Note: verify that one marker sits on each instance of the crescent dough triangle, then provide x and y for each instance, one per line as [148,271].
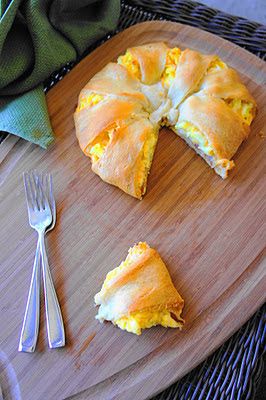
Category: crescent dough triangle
[139,293]
[122,108]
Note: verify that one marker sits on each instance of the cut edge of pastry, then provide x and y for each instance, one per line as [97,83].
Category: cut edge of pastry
[146,158]
[245,108]
[220,166]
[168,315]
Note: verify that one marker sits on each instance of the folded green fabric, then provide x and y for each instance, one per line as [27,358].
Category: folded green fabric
[38,37]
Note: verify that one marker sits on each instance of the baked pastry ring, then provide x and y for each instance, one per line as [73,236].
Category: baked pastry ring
[122,108]
[139,293]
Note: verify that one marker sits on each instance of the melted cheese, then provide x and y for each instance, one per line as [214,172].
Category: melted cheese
[196,136]
[244,109]
[130,63]
[172,59]
[90,101]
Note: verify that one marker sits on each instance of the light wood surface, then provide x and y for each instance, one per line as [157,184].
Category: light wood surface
[209,232]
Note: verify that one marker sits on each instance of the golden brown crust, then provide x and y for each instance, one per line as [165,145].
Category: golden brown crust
[114,79]
[151,58]
[143,285]
[123,156]
[222,127]
[92,121]
[225,84]
[190,70]
[135,109]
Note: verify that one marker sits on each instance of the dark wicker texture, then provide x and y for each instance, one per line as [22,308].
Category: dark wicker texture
[234,370]
[241,31]
[247,34]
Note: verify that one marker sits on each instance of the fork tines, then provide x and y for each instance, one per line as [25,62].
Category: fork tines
[35,194]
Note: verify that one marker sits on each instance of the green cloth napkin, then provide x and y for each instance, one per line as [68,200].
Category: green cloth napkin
[38,37]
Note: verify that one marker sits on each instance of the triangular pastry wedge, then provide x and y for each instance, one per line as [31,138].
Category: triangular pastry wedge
[120,140]
[212,129]
[191,68]
[125,157]
[225,84]
[139,293]
[114,81]
[146,62]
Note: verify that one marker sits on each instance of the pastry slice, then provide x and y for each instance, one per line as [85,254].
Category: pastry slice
[116,81]
[120,141]
[145,62]
[225,84]
[93,118]
[191,68]
[139,293]
[211,128]
[127,157]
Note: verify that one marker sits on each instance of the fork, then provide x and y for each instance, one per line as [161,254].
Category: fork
[42,219]
[30,328]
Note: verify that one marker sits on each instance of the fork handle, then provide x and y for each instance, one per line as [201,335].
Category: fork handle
[30,327]
[54,320]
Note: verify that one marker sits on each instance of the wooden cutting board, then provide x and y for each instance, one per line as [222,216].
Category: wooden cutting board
[210,233]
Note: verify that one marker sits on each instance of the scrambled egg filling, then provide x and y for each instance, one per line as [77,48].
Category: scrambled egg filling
[130,63]
[172,59]
[137,321]
[146,319]
[196,137]
[244,109]
[97,149]
[216,65]
[147,155]
[90,101]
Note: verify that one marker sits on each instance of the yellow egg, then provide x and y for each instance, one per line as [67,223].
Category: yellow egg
[172,59]
[90,101]
[173,56]
[146,319]
[147,155]
[97,149]
[131,64]
[196,136]
[217,65]
[244,109]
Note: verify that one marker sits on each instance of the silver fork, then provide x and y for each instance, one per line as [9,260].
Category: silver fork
[38,191]
[30,327]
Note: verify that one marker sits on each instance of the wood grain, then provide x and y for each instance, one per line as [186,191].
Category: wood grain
[210,233]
